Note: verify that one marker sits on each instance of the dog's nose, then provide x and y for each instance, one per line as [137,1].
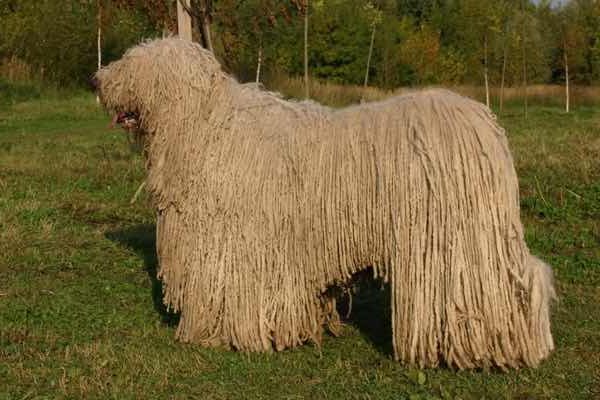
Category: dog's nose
[93,82]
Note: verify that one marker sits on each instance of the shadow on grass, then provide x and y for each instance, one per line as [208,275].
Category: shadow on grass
[370,312]
[142,239]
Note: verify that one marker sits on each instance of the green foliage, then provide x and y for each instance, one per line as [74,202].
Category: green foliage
[58,39]
[43,35]
[578,35]
[389,69]
[420,52]
[122,29]
[340,43]
[416,42]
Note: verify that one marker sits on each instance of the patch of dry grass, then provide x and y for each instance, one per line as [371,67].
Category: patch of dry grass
[341,95]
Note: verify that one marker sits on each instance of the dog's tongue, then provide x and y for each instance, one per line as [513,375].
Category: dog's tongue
[127,120]
[118,118]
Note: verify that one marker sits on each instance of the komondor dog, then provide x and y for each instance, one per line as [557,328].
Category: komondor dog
[263,204]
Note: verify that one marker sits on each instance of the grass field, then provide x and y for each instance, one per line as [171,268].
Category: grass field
[80,307]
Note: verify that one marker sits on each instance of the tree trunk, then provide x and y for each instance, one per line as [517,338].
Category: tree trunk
[306,90]
[524,60]
[525,78]
[485,72]
[206,35]
[184,20]
[567,100]
[99,2]
[369,57]
[504,56]
[259,63]
[386,68]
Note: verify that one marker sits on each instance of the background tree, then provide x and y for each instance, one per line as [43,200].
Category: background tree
[374,16]
[446,42]
[420,51]
[305,9]
[507,35]
[201,13]
[571,43]
[59,40]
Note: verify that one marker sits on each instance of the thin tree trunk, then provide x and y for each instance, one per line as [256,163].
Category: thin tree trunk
[504,56]
[369,57]
[201,22]
[386,68]
[306,90]
[485,73]
[184,20]
[567,100]
[99,2]
[525,78]
[524,61]
[205,13]
[13,71]
[206,35]
[259,63]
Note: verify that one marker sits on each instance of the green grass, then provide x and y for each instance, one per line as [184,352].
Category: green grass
[80,307]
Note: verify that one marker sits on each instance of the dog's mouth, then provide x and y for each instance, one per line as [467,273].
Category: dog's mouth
[128,120]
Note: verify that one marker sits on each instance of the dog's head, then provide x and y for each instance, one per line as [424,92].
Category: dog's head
[156,83]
